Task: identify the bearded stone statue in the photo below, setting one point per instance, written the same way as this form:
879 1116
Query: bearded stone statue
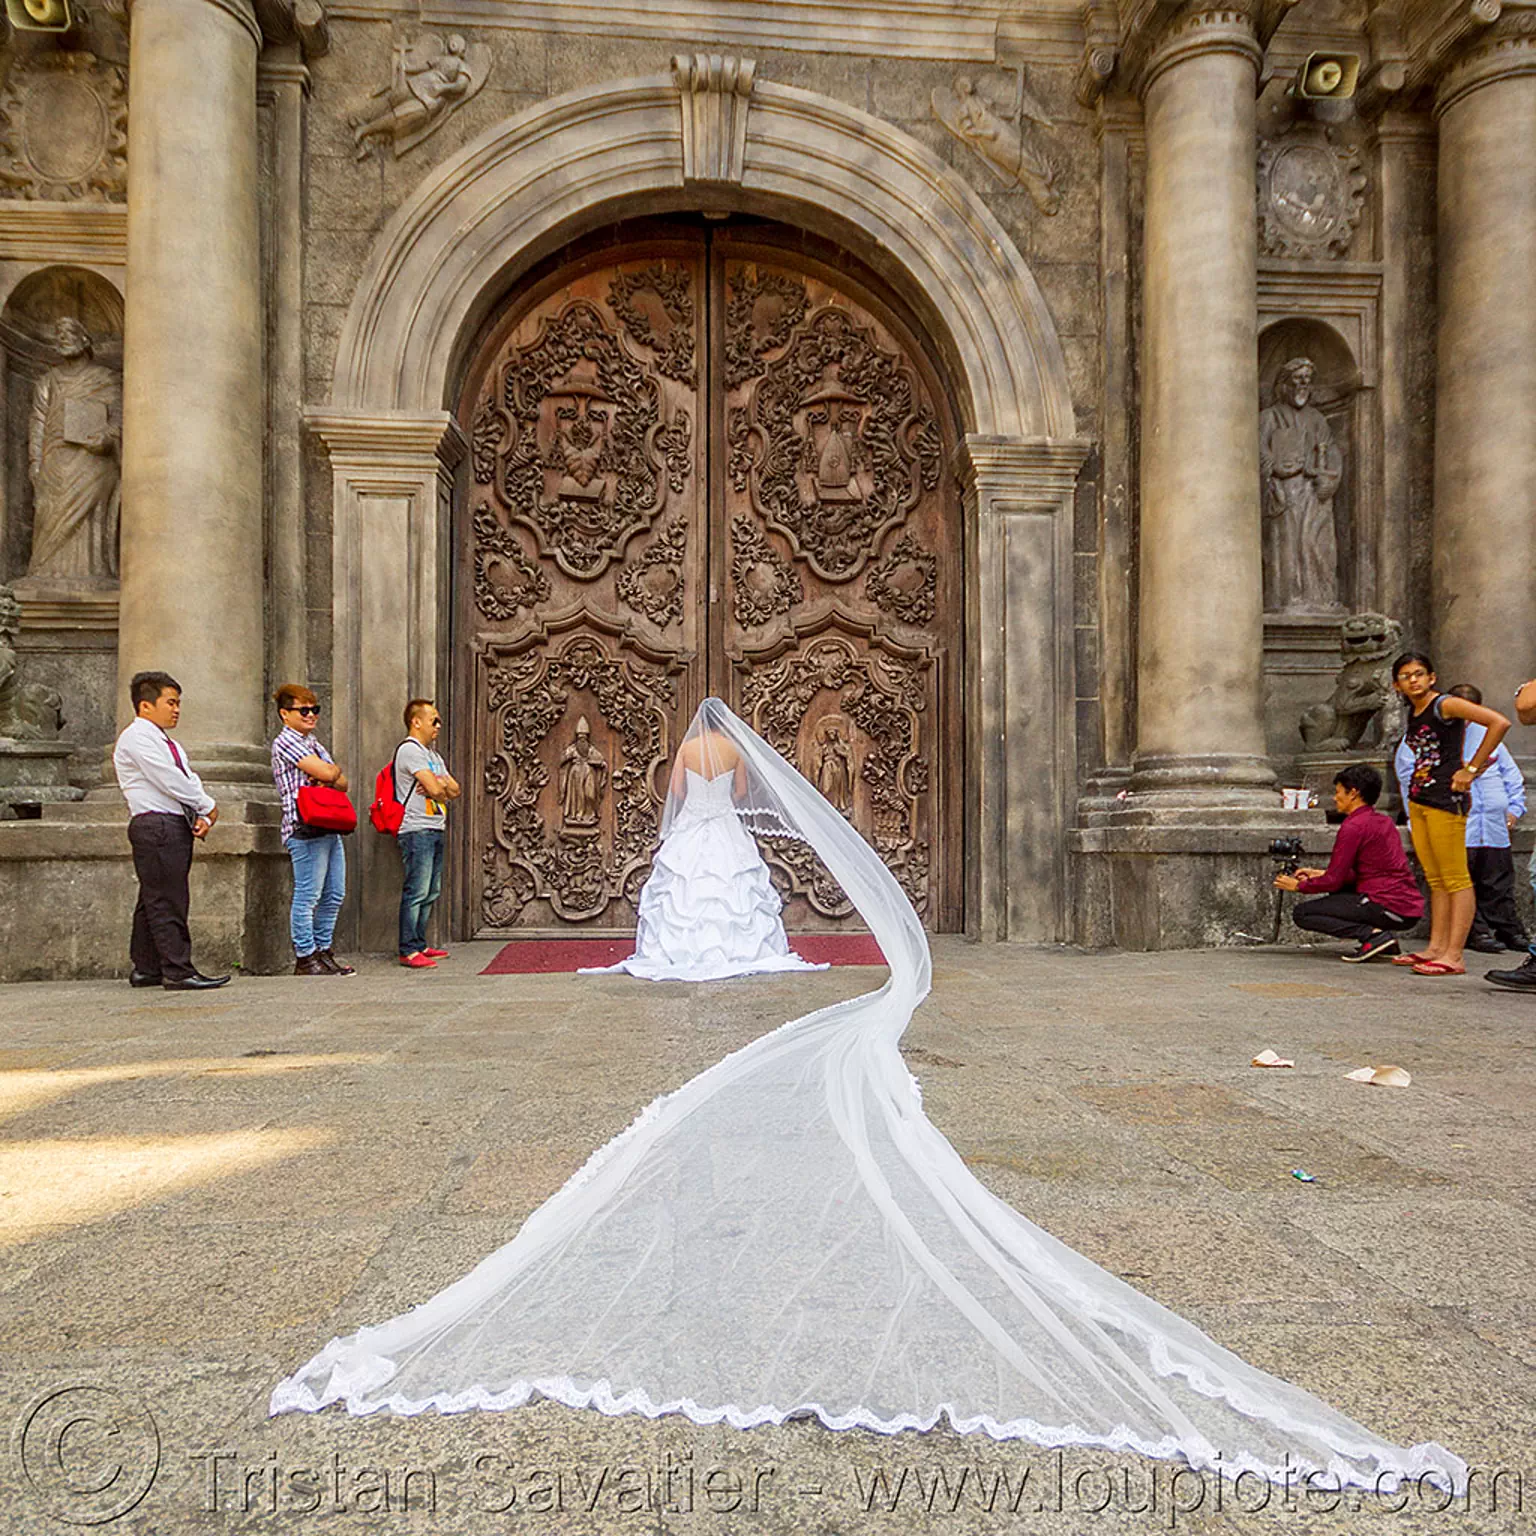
73 445
1300 467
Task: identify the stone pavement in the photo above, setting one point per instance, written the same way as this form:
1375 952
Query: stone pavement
196 1193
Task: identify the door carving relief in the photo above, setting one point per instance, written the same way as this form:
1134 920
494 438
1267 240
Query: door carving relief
702 464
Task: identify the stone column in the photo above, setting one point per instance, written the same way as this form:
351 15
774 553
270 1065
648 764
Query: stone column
1122 155
282 90
1484 563
1020 718
1406 146
392 484
1200 736
192 526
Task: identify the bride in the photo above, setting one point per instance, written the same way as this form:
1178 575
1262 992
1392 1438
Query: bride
788 1236
709 909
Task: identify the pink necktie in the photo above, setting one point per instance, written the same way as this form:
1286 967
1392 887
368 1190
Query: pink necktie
174 753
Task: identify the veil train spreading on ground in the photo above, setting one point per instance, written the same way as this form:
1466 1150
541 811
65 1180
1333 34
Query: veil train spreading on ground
787 1235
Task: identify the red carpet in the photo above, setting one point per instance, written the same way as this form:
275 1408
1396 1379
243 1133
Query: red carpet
527 957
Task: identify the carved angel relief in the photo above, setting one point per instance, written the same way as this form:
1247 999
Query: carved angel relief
578 446
1003 142
836 443
64 128
431 77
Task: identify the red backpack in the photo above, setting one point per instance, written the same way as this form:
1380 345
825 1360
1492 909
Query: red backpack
386 813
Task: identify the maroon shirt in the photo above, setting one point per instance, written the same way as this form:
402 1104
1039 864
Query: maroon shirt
1368 857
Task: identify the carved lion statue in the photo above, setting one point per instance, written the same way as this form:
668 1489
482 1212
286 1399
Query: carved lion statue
1351 720
28 711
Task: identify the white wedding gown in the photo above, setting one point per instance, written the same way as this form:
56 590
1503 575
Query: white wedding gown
787 1235
709 909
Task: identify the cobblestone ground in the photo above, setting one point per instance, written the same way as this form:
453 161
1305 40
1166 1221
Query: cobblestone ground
196 1193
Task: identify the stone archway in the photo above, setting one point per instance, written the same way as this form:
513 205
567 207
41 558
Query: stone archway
710 136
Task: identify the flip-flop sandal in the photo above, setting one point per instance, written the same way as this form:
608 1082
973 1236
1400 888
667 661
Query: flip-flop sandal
1439 968
1410 959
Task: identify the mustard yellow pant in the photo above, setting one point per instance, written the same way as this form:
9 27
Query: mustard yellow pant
1440 840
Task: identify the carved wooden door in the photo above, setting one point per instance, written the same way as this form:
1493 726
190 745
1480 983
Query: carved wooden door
699 466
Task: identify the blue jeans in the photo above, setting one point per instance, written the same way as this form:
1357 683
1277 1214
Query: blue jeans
421 853
319 886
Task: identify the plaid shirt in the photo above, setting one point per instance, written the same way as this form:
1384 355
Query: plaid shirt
288 746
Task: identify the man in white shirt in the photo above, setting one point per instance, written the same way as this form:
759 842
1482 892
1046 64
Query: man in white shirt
167 808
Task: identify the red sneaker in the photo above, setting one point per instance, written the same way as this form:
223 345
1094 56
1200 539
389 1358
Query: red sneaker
435 954
419 961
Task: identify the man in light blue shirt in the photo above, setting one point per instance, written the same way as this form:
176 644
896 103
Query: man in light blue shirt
1498 802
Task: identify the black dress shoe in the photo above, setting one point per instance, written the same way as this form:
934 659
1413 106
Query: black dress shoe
145 979
1521 979
1485 946
196 982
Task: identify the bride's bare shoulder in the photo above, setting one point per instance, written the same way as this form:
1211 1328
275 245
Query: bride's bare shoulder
709 753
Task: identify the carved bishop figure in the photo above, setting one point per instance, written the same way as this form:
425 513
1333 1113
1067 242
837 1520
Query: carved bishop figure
583 774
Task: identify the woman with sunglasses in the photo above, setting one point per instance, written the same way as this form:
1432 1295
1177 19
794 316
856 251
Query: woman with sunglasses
319 858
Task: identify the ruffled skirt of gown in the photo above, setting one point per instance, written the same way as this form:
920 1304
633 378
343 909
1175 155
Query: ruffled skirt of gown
709 909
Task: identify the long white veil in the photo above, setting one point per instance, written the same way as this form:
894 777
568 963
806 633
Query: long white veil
787 1235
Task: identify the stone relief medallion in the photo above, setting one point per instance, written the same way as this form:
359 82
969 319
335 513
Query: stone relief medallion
764 583
577 445
905 583
836 444
555 789
653 584
1310 194
847 712
64 129
667 286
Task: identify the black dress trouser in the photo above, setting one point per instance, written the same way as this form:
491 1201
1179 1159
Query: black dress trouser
1347 915
162 859
1493 876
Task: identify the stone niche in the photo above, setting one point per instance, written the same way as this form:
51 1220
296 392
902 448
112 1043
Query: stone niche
1301 641
68 638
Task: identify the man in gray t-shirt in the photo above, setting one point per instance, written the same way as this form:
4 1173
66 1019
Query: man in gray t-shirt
424 787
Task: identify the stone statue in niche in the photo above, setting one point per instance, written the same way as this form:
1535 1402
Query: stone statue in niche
1002 142
73 444
834 764
431 78
583 774
28 711
1300 467
1352 719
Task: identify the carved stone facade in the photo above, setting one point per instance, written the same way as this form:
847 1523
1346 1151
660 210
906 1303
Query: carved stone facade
64 128
910 379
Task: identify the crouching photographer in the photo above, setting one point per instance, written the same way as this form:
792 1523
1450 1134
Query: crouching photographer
1368 892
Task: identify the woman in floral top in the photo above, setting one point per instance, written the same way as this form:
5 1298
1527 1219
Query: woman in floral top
1439 787
319 859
